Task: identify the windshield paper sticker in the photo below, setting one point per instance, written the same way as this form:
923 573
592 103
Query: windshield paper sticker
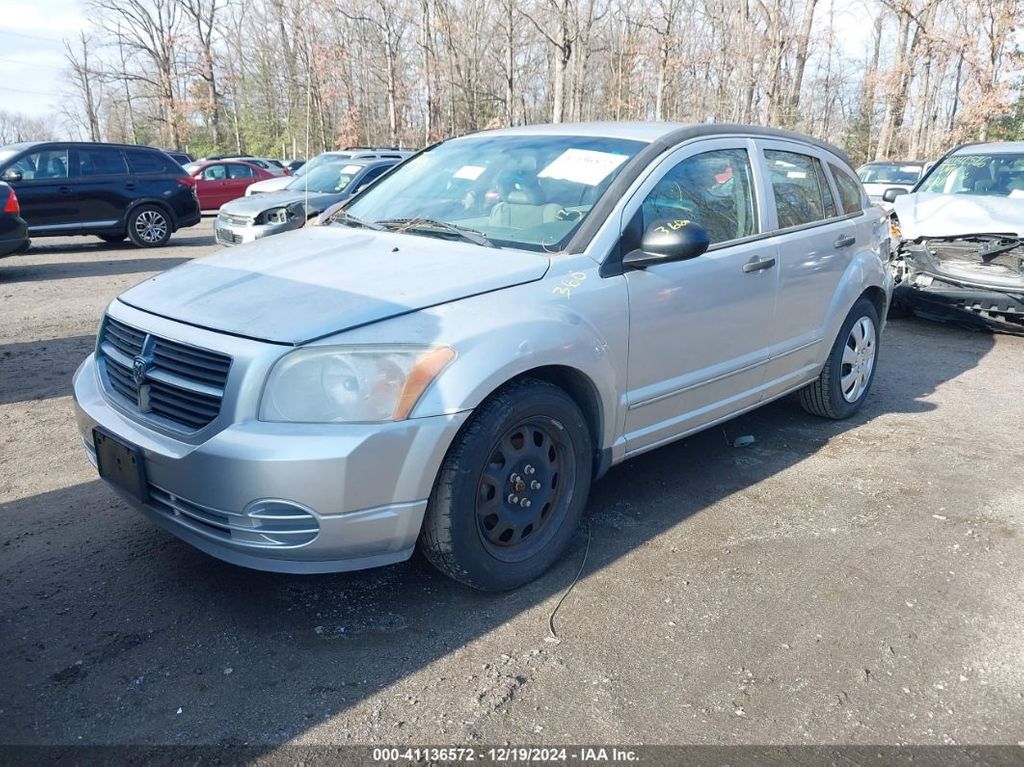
469 172
582 166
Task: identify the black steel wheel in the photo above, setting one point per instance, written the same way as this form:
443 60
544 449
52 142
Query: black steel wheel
528 474
511 489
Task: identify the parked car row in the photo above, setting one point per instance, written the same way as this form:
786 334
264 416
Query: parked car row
116 191
327 184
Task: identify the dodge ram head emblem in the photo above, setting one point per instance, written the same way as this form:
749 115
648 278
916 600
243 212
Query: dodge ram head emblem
140 366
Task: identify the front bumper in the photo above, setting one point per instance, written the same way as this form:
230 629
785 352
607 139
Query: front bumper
975 306
352 495
235 234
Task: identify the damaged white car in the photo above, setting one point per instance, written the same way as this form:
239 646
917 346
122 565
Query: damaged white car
961 239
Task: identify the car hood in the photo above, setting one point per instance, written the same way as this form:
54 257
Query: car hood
320 280
269 184
927 214
258 203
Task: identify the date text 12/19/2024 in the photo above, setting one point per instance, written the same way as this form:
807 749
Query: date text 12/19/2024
503 754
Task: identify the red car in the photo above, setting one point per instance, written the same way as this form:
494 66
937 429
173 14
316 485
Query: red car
220 181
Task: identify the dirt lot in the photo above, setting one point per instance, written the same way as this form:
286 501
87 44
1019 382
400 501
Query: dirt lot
831 583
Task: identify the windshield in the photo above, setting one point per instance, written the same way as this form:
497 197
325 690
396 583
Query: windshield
327 178
527 192
992 175
890 173
319 160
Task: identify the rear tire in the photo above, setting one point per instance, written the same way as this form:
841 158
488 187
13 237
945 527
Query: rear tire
845 380
511 490
149 226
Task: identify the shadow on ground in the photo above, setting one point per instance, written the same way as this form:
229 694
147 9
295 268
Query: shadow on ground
41 369
11 272
115 624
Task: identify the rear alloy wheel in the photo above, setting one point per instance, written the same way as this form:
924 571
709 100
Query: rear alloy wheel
846 378
148 227
511 490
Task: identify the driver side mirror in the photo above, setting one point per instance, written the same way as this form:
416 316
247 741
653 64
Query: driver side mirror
678 240
12 175
890 194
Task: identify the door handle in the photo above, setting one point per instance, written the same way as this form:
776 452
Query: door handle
64 190
758 264
129 185
844 241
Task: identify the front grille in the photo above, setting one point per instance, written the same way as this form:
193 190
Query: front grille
273 524
233 220
179 384
227 237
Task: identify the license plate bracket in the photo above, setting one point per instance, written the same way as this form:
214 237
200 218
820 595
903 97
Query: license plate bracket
120 464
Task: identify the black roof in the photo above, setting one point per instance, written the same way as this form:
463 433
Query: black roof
31 144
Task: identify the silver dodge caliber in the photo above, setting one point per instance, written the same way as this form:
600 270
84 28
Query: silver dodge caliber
453 356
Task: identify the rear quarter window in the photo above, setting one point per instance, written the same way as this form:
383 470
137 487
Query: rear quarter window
148 161
849 190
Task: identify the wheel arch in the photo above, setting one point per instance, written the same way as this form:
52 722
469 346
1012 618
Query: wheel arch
582 389
154 201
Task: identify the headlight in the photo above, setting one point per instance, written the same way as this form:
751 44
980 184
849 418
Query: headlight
276 216
331 384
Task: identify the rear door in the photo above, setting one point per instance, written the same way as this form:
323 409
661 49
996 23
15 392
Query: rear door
101 184
817 241
49 200
240 177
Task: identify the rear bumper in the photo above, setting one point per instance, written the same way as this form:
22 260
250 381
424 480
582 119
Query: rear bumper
13 236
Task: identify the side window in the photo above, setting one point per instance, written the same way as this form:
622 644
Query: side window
372 173
713 189
240 171
47 164
215 173
100 161
849 190
826 192
797 185
142 161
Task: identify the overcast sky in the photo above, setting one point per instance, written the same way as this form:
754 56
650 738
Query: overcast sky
32 54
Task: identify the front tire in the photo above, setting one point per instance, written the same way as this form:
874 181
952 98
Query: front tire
845 380
149 226
511 490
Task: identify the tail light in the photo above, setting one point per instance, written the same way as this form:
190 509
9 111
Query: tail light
12 206
188 181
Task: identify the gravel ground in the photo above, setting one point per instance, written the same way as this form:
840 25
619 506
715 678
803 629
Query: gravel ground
857 582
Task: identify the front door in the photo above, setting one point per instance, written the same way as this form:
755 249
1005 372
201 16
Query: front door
48 198
211 186
699 329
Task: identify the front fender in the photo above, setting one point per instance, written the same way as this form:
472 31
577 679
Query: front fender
495 355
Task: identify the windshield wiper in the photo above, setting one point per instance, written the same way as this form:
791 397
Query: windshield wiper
465 233
335 213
